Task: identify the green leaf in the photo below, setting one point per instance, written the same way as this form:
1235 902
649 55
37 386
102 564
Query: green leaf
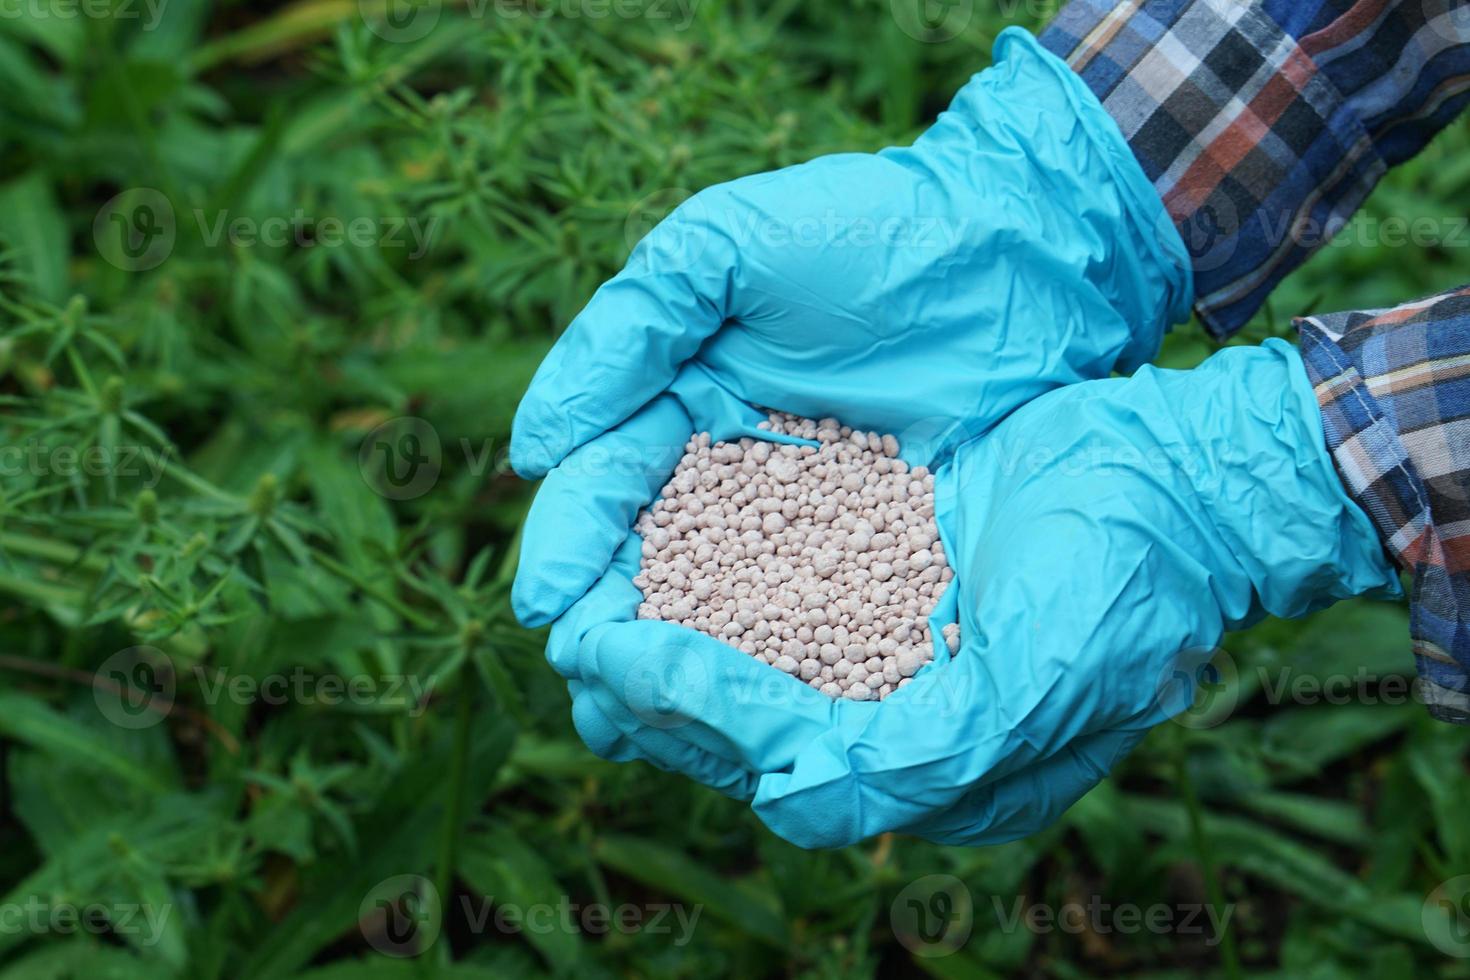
503 867
32 222
76 958
58 736
1307 739
380 968
1271 856
1331 820
733 902
402 830
1436 757
92 867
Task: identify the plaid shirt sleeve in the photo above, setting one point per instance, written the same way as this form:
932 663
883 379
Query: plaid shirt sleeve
1264 124
1394 388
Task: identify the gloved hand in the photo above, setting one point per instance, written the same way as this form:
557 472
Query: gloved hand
1103 537
925 291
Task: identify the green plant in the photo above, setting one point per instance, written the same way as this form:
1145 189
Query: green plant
213 488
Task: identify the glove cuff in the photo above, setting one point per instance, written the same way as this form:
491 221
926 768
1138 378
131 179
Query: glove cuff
1028 104
1266 475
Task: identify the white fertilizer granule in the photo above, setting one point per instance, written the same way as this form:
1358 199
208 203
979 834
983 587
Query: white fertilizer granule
822 561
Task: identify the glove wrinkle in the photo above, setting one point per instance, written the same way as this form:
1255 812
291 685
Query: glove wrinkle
1043 219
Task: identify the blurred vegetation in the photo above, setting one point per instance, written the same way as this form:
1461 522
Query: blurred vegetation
189 498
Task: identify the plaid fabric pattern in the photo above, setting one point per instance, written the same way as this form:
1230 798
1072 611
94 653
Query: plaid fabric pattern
1394 388
1264 125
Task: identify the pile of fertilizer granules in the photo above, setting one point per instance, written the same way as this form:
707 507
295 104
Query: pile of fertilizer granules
822 561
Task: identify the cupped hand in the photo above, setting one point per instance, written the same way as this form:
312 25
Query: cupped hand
1103 537
925 291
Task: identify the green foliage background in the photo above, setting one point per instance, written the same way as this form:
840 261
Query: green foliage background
534 146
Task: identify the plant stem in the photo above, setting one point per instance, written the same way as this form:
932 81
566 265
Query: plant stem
388 599
89 679
27 588
200 485
458 774
67 554
57 551
1205 851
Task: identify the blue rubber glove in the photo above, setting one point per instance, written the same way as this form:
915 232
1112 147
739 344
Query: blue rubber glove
925 291
1103 536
